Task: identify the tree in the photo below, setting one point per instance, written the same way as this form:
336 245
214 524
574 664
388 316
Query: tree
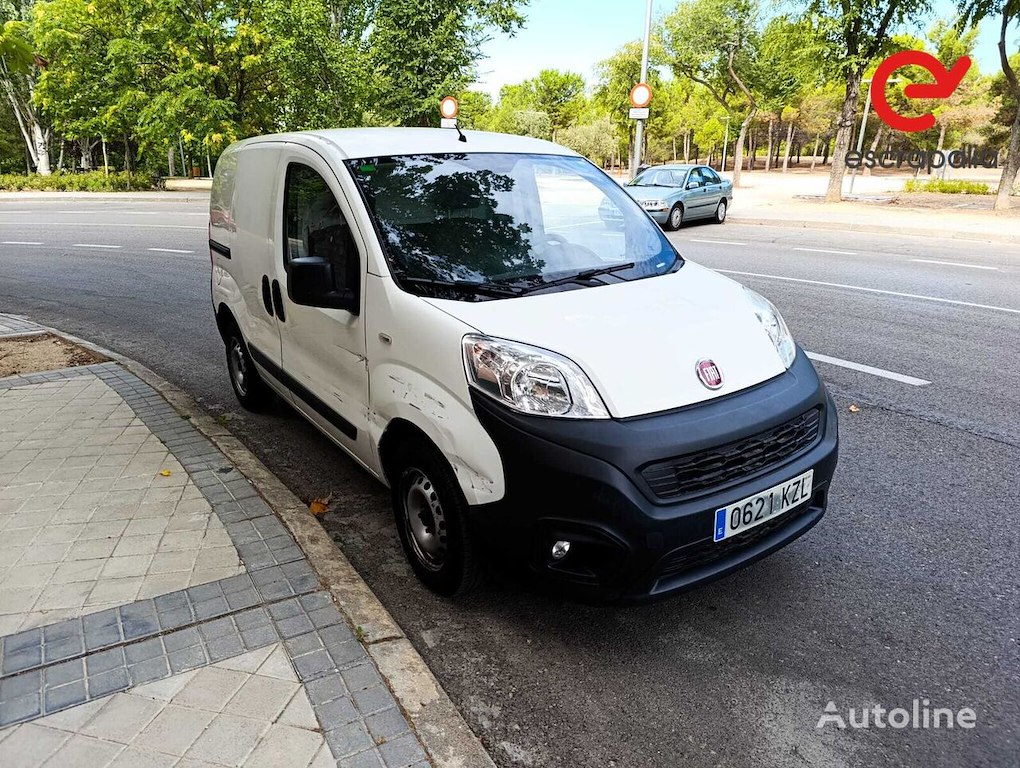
715 44
593 140
423 50
615 77
855 32
19 70
560 95
974 12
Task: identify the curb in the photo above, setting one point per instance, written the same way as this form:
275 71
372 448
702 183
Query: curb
442 730
883 229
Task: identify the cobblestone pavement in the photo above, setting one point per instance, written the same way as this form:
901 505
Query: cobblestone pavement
153 609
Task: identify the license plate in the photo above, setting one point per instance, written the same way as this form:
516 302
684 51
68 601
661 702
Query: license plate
740 516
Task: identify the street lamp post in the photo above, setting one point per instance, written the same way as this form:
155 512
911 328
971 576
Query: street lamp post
860 136
639 132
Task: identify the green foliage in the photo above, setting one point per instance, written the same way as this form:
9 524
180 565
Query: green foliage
593 140
95 181
423 50
947 186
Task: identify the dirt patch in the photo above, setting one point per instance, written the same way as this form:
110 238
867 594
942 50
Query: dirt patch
45 352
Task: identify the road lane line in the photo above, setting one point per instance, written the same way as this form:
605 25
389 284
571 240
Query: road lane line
955 302
720 242
168 250
95 245
133 226
954 264
900 377
827 250
21 242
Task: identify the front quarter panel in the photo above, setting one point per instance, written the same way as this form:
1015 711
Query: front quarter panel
416 374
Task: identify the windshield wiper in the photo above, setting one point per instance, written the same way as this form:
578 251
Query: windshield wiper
581 276
484 289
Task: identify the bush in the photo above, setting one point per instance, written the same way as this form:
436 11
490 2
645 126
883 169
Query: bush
93 181
947 186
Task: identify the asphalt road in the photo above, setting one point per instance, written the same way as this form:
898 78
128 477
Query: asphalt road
908 589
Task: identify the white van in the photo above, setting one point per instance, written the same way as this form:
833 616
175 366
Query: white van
535 387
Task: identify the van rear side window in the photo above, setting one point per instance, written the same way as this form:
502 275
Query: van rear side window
315 226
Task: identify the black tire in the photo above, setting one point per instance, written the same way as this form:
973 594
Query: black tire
720 212
675 219
251 391
431 515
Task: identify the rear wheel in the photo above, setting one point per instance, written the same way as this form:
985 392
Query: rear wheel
676 217
720 212
431 517
250 389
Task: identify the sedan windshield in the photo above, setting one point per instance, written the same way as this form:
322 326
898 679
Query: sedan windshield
481 226
658 178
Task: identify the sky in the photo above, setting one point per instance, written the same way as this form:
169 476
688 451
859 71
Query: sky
576 34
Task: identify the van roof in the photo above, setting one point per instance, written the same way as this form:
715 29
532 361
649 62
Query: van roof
382 142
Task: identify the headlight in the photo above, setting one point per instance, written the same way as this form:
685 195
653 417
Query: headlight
531 380
774 326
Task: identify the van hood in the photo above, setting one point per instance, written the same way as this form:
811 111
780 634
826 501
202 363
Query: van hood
640 341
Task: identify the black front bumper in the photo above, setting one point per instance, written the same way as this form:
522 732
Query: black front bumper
579 481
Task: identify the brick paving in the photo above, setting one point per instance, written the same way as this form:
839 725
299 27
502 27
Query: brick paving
153 609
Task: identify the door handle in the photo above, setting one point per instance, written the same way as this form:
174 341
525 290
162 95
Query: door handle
267 297
278 301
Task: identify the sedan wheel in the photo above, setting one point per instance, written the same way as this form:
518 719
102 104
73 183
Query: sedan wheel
676 217
720 212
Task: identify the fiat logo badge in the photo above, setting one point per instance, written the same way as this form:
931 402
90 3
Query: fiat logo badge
709 373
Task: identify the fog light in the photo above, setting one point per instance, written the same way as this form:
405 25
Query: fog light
560 550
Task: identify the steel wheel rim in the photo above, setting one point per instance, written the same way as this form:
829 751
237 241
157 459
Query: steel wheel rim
677 217
424 520
238 368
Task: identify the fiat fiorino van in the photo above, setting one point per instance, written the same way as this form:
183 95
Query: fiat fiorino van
535 387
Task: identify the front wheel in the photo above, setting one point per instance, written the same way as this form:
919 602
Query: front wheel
676 218
431 517
720 212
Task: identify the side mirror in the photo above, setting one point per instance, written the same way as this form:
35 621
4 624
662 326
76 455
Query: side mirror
310 284
692 185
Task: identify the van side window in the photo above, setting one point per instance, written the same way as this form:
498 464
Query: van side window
314 226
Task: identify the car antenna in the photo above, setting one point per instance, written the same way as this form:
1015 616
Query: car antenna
460 133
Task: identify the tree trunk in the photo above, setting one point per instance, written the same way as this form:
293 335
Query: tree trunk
170 161
738 150
1010 167
106 159
41 150
786 152
772 142
814 157
845 128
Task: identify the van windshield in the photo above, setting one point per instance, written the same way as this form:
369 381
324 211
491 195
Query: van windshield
478 226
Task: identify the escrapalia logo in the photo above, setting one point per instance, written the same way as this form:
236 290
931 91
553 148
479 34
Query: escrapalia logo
946 81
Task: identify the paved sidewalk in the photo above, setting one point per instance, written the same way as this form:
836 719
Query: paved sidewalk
154 611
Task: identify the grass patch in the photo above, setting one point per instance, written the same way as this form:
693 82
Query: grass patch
947 186
93 181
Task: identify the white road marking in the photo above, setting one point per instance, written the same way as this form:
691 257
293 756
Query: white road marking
169 250
954 264
720 242
873 290
900 377
827 250
95 245
21 242
140 226
576 224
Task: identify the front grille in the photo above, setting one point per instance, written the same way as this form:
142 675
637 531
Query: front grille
737 460
707 550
